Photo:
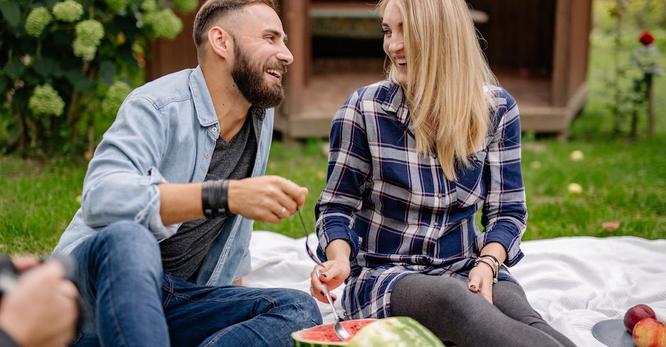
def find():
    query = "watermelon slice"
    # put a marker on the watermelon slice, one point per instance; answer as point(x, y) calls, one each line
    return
point(394, 331)
point(323, 335)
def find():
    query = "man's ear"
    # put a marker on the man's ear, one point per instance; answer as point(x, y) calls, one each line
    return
point(220, 41)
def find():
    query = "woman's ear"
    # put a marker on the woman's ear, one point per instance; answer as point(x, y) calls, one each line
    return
point(221, 42)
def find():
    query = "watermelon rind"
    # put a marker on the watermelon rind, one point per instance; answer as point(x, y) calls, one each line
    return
point(397, 332)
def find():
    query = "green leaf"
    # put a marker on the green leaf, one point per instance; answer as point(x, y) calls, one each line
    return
point(107, 72)
point(3, 85)
point(14, 69)
point(12, 13)
point(79, 81)
point(47, 67)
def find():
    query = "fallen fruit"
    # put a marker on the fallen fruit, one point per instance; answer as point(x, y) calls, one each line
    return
point(649, 332)
point(575, 188)
point(576, 155)
point(635, 314)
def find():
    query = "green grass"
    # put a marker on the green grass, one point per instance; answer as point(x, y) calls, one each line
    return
point(621, 182)
point(38, 199)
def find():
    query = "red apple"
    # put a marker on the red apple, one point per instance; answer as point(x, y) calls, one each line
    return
point(635, 314)
point(649, 332)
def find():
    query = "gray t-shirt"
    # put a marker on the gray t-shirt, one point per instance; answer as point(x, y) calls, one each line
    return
point(183, 253)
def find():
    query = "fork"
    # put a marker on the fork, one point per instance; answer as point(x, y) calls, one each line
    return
point(340, 331)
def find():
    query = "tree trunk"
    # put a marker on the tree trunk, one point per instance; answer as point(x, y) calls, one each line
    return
point(650, 104)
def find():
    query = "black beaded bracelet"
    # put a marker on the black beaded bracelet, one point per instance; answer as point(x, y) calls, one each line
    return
point(214, 198)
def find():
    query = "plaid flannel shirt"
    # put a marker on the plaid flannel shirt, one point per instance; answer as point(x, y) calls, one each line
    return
point(396, 208)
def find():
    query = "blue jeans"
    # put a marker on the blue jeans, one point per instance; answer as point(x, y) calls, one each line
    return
point(129, 301)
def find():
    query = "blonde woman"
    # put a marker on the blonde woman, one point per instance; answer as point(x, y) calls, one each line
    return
point(411, 161)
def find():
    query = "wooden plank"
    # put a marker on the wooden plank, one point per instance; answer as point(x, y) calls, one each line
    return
point(561, 51)
point(579, 45)
point(169, 56)
point(294, 19)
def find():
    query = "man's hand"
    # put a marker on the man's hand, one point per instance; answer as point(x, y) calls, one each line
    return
point(42, 309)
point(266, 198)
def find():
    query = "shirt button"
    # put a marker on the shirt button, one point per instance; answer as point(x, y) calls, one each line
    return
point(213, 129)
point(439, 195)
point(206, 156)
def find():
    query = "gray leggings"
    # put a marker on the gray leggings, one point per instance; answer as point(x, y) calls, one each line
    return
point(444, 305)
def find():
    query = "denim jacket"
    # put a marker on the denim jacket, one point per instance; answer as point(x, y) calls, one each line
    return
point(165, 131)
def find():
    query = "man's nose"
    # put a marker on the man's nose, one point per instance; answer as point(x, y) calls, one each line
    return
point(285, 55)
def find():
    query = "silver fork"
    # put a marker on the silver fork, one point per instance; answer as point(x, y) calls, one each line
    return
point(340, 331)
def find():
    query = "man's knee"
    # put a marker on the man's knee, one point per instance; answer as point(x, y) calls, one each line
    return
point(307, 312)
point(128, 242)
point(128, 235)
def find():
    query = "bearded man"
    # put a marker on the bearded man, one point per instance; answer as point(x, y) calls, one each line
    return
point(172, 190)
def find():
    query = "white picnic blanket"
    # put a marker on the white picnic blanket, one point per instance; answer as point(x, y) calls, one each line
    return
point(572, 282)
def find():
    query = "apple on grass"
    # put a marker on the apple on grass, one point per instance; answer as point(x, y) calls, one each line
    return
point(648, 332)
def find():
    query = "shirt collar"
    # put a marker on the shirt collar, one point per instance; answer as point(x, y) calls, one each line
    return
point(393, 100)
point(203, 103)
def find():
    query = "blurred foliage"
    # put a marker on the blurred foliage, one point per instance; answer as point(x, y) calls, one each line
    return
point(618, 25)
point(67, 65)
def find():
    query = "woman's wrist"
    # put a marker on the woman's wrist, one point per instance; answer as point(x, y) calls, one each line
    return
point(338, 250)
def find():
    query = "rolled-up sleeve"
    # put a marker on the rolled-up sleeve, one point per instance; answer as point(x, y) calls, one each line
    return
point(122, 178)
point(348, 168)
point(505, 211)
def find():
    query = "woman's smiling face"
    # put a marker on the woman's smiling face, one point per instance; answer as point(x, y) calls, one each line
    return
point(394, 43)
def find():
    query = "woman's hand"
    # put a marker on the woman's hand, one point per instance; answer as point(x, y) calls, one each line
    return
point(332, 274)
point(481, 280)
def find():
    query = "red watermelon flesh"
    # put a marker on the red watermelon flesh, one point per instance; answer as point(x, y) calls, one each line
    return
point(325, 335)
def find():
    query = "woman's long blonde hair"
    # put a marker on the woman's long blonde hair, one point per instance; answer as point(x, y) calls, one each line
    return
point(446, 73)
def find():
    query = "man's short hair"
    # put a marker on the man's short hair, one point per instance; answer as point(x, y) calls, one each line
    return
point(212, 10)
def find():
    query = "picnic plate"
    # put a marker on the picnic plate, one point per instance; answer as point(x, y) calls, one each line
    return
point(611, 333)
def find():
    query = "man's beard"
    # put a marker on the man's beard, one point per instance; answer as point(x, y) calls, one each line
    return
point(251, 83)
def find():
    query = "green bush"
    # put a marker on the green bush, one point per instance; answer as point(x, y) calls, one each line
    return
point(66, 66)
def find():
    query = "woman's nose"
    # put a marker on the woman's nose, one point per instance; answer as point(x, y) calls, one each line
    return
point(396, 46)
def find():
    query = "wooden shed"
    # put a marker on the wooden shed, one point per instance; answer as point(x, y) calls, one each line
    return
point(537, 49)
